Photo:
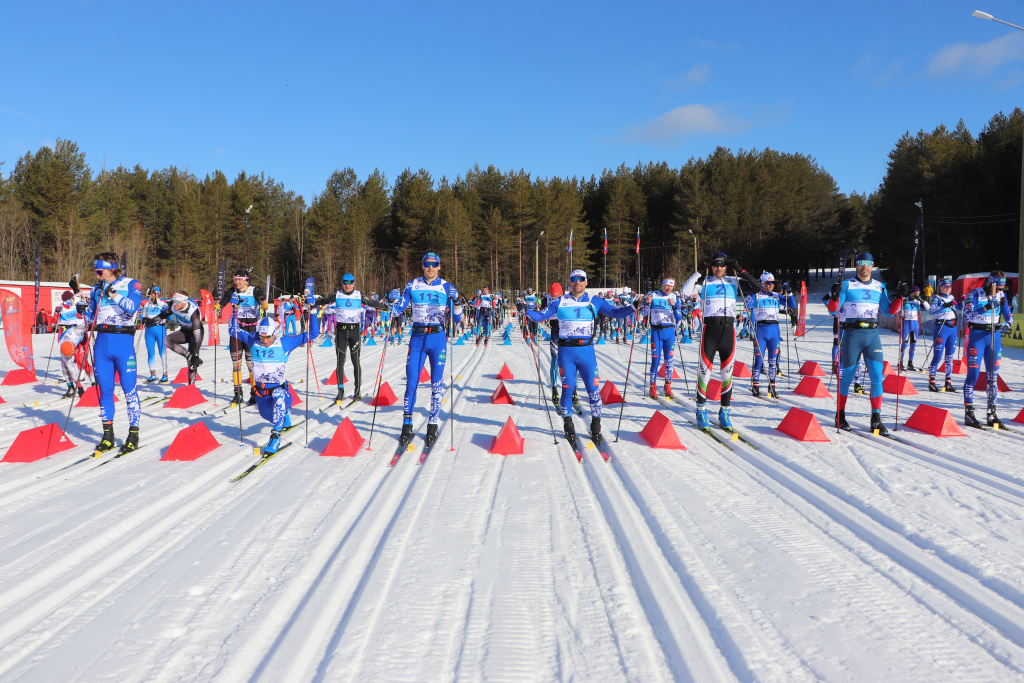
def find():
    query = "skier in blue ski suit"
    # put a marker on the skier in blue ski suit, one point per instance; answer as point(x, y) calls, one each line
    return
point(113, 304)
point(431, 299)
point(944, 307)
point(764, 308)
point(911, 327)
point(577, 314)
point(156, 333)
point(982, 309)
point(270, 352)
point(664, 308)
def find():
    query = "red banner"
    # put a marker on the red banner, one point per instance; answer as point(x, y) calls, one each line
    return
point(801, 325)
point(18, 322)
point(213, 338)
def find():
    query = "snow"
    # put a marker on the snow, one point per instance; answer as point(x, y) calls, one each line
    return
point(857, 559)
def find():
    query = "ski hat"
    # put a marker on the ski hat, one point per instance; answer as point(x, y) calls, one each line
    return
point(915, 290)
point(156, 289)
point(267, 327)
point(529, 288)
point(479, 292)
point(179, 298)
point(393, 295)
point(627, 290)
point(100, 264)
point(348, 279)
point(997, 280)
point(65, 296)
point(865, 259)
point(579, 272)
point(556, 290)
point(668, 281)
point(242, 273)
point(719, 259)
point(431, 259)
point(947, 280)
point(767, 277)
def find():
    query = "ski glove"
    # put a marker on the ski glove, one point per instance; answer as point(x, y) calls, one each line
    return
point(1005, 327)
point(836, 289)
point(73, 284)
point(731, 262)
point(902, 290)
point(949, 304)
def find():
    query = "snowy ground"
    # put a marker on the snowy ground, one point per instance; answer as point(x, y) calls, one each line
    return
point(859, 559)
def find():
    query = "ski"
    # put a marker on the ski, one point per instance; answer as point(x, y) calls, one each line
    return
point(263, 460)
point(86, 458)
point(427, 447)
point(735, 434)
point(398, 452)
point(597, 444)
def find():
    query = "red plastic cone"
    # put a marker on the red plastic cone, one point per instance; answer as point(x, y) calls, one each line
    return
point(37, 443)
point(185, 397)
point(959, 367)
point(887, 369)
point(505, 373)
point(610, 394)
point(333, 379)
point(934, 421)
point(659, 433)
point(295, 397)
point(192, 442)
point(740, 369)
point(898, 384)
point(501, 395)
point(1020, 417)
point(714, 390)
point(811, 369)
point(182, 377)
point(813, 387)
point(802, 426)
point(424, 375)
point(508, 441)
point(2, 401)
point(982, 383)
point(91, 398)
point(346, 441)
point(385, 397)
point(675, 373)
point(19, 376)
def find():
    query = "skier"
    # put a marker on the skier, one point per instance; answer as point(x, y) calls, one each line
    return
point(190, 331)
point(249, 303)
point(113, 305)
point(396, 320)
point(944, 307)
point(856, 302)
point(348, 314)
point(156, 332)
point(982, 309)
point(484, 306)
point(556, 293)
point(577, 314)
point(765, 307)
point(430, 297)
point(663, 307)
point(911, 326)
point(718, 303)
point(270, 352)
point(530, 304)
point(71, 324)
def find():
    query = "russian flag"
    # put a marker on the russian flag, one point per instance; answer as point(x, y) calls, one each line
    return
point(638, 240)
point(606, 241)
point(569, 250)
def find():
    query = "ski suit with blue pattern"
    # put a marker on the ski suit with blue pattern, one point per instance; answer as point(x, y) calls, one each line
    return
point(113, 307)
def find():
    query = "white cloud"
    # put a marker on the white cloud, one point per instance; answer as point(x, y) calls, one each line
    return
point(869, 67)
point(978, 59)
point(18, 114)
point(686, 121)
point(697, 75)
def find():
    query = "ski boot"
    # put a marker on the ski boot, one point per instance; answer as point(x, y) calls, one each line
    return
point(724, 419)
point(192, 374)
point(595, 432)
point(106, 441)
point(772, 391)
point(876, 424)
point(554, 396)
point(576, 403)
point(81, 391)
point(932, 386)
point(252, 398)
point(668, 389)
point(570, 431)
point(165, 379)
point(337, 399)
point(431, 435)
point(131, 443)
point(406, 437)
point(194, 361)
point(755, 390)
point(949, 385)
point(841, 422)
point(702, 416)
point(910, 367)
point(70, 393)
point(287, 424)
point(274, 445)
point(993, 420)
point(969, 418)
point(858, 388)
point(356, 395)
point(654, 391)
point(152, 378)
point(478, 341)
point(486, 339)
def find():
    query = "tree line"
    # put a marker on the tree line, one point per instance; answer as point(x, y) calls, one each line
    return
point(769, 209)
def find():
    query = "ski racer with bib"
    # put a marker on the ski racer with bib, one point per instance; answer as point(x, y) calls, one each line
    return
point(530, 304)
point(431, 298)
point(188, 339)
point(484, 306)
point(718, 304)
point(911, 326)
point(765, 307)
point(577, 313)
point(249, 304)
point(71, 324)
point(348, 316)
point(982, 310)
point(856, 302)
point(156, 333)
point(664, 308)
point(944, 307)
point(113, 304)
point(270, 352)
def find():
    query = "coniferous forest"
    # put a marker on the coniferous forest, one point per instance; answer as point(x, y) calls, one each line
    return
point(771, 210)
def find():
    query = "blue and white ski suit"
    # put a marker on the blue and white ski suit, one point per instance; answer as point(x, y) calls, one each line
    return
point(114, 307)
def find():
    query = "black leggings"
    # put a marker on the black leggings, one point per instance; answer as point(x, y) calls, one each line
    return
point(193, 337)
point(347, 339)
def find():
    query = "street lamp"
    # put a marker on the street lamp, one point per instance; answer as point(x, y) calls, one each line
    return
point(1020, 240)
point(536, 259)
point(694, 249)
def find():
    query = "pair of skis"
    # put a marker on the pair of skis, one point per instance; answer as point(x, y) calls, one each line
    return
point(708, 431)
point(598, 440)
point(403, 446)
point(266, 457)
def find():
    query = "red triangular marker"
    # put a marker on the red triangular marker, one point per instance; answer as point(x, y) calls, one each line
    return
point(185, 397)
point(424, 375)
point(295, 397)
point(346, 441)
point(385, 396)
point(898, 384)
point(610, 394)
point(740, 369)
point(501, 395)
point(982, 383)
point(192, 442)
point(934, 421)
point(37, 443)
point(659, 433)
point(812, 369)
point(505, 373)
point(508, 441)
point(182, 377)
point(813, 387)
point(91, 398)
point(802, 426)
point(675, 373)
point(333, 379)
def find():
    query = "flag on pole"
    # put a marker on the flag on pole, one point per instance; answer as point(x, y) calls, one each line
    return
point(569, 251)
point(606, 241)
point(638, 240)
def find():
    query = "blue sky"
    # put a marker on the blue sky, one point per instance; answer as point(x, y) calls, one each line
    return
point(298, 90)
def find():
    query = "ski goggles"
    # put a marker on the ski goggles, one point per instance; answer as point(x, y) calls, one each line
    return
point(179, 298)
point(865, 262)
point(348, 281)
point(431, 260)
point(577, 278)
point(100, 264)
point(998, 281)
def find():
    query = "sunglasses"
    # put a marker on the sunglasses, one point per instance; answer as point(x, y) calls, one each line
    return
point(577, 278)
point(99, 272)
point(769, 282)
point(348, 282)
point(865, 263)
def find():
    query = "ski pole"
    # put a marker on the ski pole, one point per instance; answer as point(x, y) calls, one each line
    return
point(309, 355)
point(46, 375)
point(451, 378)
point(536, 362)
point(376, 389)
point(625, 388)
point(682, 364)
point(237, 354)
point(789, 330)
